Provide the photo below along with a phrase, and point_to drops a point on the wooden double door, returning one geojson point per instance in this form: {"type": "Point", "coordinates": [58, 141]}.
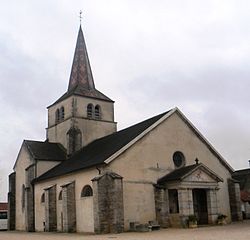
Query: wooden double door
{"type": "Point", "coordinates": [200, 205]}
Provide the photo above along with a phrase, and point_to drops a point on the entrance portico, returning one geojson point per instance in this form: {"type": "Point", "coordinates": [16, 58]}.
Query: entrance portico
{"type": "Point", "coordinates": [190, 190]}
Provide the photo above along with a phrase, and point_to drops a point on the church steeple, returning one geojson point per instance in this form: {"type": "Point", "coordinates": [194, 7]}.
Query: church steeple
{"type": "Point", "coordinates": [82, 114]}
{"type": "Point", "coordinates": [81, 74]}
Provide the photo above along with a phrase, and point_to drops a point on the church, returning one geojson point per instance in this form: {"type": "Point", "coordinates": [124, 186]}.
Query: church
{"type": "Point", "coordinates": [88, 177]}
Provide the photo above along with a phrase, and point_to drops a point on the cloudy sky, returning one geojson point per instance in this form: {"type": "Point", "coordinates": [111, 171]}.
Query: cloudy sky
{"type": "Point", "coordinates": [147, 55]}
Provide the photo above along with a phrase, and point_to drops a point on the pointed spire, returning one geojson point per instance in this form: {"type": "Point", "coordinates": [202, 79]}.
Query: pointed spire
{"type": "Point", "coordinates": [81, 74]}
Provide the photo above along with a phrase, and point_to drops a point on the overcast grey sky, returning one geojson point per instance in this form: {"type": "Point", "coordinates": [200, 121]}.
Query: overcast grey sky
{"type": "Point", "coordinates": [147, 55]}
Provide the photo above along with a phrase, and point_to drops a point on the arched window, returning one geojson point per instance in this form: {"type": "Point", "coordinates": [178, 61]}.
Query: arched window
{"type": "Point", "coordinates": [60, 195]}
{"type": "Point", "coordinates": [57, 116]}
{"type": "Point", "coordinates": [61, 113]}
{"type": "Point", "coordinates": [97, 112]}
{"type": "Point", "coordinates": [87, 191]}
{"type": "Point", "coordinates": [43, 198]}
{"type": "Point", "coordinates": [90, 110]}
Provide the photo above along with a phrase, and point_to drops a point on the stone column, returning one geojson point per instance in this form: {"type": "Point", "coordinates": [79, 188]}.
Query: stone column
{"type": "Point", "coordinates": [50, 209]}
{"type": "Point", "coordinates": [212, 206]}
{"type": "Point", "coordinates": [161, 205]}
{"type": "Point", "coordinates": [69, 207]}
{"type": "Point", "coordinates": [186, 208]}
{"type": "Point", "coordinates": [12, 202]}
{"type": "Point", "coordinates": [234, 198]}
{"type": "Point", "coordinates": [29, 199]}
{"type": "Point", "coordinates": [108, 203]}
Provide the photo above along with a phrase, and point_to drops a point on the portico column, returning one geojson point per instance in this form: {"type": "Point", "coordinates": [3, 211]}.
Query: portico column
{"type": "Point", "coordinates": [212, 206]}
{"type": "Point", "coordinates": [185, 200]}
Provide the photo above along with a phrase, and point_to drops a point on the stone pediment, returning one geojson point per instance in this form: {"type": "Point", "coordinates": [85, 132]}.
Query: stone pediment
{"type": "Point", "coordinates": [199, 175]}
{"type": "Point", "coordinates": [192, 173]}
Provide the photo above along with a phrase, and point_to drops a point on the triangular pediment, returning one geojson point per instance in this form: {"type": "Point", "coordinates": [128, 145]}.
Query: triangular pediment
{"type": "Point", "coordinates": [199, 175]}
{"type": "Point", "coordinates": [191, 173]}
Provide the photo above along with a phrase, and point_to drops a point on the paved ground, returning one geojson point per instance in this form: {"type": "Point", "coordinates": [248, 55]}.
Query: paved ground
{"type": "Point", "coordinates": [235, 231]}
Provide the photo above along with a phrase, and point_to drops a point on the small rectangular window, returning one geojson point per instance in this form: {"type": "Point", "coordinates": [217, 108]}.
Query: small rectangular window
{"type": "Point", "coordinates": [3, 215]}
{"type": "Point", "coordinates": [173, 201]}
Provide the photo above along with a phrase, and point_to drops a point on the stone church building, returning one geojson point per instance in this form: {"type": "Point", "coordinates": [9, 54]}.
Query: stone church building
{"type": "Point", "coordinates": [88, 177]}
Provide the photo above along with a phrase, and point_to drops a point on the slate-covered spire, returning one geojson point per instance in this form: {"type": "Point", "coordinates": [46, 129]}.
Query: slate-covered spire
{"type": "Point", "coordinates": [81, 74]}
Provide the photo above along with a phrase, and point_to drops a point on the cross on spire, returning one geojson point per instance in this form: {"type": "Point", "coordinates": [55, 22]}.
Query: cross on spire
{"type": "Point", "coordinates": [80, 16]}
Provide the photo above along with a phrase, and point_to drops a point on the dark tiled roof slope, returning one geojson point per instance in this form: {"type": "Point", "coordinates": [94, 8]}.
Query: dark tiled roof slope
{"type": "Point", "coordinates": [46, 150]}
{"type": "Point", "coordinates": [177, 174]}
{"type": "Point", "coordinates": [243, 176]}
{"type": "Point", "coordinates": [80, 91]}
{"type": "Point", "coordinates": [241, 172]}
{"type": "Point", "coordinates": [99, 150]}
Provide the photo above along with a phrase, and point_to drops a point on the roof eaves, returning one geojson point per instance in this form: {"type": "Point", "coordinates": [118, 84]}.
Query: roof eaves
{"type": "Point", "coordinates": [41, 178]}
{"type": "Point", "coordinates": [133, 141]}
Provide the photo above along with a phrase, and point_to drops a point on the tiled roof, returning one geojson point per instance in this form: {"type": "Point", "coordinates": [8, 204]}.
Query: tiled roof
{"type": "Point", "coordinates": [99, 150]}
{"type": "Point", "coordinates": [242, 172]}
{"type": "Point", "coordinates": [245, 196]}
{"type": "Point", "coordinates": [46, 150]}
{"type": "Point", "coordinates": [81, 81]}
{"type": "Point", "coordinates": [3, 206]}
{"type": "Point", "coordinates": [177, 174]}
{"type": "Point", "coordinates": [81, 73]}
{"type": "Point", "coordinates": [80, 91]}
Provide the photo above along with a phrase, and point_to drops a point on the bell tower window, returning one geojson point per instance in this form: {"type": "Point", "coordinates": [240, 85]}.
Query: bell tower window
{"type": "Point", "coordinates": [62, 113]}
{"type": "Point", "coordinates": [97, 112]}
{"type": "Point", "coordinates": [90, 110]}
{"type": "Point", "coordinates": [57, 116]}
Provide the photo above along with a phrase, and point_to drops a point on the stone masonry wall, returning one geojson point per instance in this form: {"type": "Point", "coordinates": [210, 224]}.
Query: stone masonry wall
{"type": "Point", "coordinates": [162, 206]}
{"type": "Point", "coordinates": [69, 208]}
{"type": "Point", "coordinates": [30, 214]}
{"type": "Point", "coordinates": [185, 199]}
{"type": "Point", "coordinates": [234, 198]}
{"type": "Point", "coordinates": [50, 209]}
{"type": "Point", "coordinates": [108, 203]}
{"type": "Point", "coordinates": [12, 202]}
{"type": "Point", "coordinates": [212, 206]}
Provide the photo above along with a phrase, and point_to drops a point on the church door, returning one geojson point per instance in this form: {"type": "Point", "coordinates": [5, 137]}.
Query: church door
{"type": "Point", "coordinates": [200, 205]}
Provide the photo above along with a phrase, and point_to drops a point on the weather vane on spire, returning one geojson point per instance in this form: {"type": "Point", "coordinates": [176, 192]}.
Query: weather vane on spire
{"type": "Point", "coordinates": [80, 16]}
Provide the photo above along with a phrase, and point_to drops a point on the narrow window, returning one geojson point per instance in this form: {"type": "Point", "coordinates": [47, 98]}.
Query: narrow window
{"type": "Point", "coordinates": [90, 111]}
{"type": "Point", "coordinates": [43, 198]}
{"type": "Point", "coordinates": [97, 112]}
{"type": "Point", "coordinates": [23, 196]}
{"type": "Point", "coordinates": [74, 138]}
{"type": "Point", "coordinates": [173, 201]}
{"type": "Point", "coordinates": [57, 116]}
{"type": "Point", "coordinates": [87, 191]}
{"type": "Point", "coordinates": [60, 195]}
{"type": "Point", "coordinates": [62, 113]}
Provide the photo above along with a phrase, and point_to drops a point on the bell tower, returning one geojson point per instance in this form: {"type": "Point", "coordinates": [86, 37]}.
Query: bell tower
{"type": "Point", "coordinates": [82, 114]}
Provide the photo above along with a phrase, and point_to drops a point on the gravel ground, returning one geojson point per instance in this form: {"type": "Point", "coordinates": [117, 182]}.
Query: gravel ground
{"type": "Point", "coordinates": [234, 231]}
